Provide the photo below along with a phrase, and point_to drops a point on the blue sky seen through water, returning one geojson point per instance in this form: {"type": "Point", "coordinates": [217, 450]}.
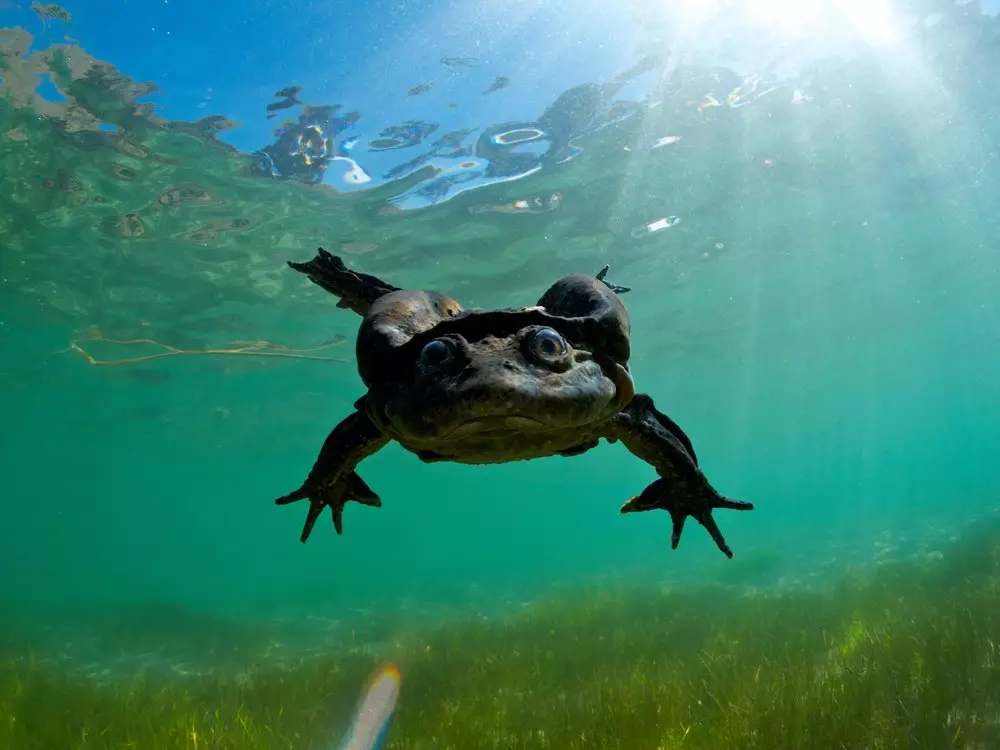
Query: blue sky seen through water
{"type": "Point", "coordinates": [230, 58]}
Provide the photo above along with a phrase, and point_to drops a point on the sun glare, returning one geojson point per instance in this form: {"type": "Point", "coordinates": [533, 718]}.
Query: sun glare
{"type": "Point", "coordinates": [871, 20]}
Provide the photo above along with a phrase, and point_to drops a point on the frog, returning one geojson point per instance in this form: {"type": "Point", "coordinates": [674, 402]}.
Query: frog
{"type": "Point", "coordinates": [492, 386]}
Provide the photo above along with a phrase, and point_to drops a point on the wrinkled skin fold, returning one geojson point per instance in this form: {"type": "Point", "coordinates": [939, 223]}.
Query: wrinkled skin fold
{"type": "Point", "coordinates": [492, 386]}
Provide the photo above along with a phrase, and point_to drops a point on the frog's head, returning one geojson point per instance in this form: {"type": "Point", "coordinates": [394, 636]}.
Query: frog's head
{"type": "Point", "coordinates": [504, 384]}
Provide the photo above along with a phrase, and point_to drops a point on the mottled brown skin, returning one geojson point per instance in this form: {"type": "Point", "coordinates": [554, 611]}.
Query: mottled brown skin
{"type": "Point", "coordinates": [491, 386]}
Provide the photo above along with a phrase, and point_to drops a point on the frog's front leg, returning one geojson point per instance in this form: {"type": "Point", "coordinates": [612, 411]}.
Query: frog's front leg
{"type": "Point", "coordinates": [333, 481]}
{"type": "Point", "coordinates": [682, 490]}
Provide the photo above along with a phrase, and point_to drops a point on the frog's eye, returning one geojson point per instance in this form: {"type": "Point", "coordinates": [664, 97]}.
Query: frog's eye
{"type": "Point", "coordinates": [435, 353]}
{"type": "Point", "coordinates": [546, 343]}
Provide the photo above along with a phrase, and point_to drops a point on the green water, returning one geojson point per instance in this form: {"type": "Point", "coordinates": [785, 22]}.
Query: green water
{"type": "Point", "coordinates": [823, 323]}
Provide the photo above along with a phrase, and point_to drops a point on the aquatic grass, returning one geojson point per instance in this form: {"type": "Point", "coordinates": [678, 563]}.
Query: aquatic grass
{"type": "Point", "coordinates": [905, 658]}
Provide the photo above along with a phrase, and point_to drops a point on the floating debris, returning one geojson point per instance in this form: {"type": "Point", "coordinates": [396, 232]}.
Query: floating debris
{"type": "Point", "coordinates": [655, 226]}
{"type": "Point", "coordinates": [161, 350]}
{"type": "Point", "coordinates": [130, 149]}
{"type": "Point", "coordinates": [203, 236]}
{"type": "Point", "coordinates": [310, 143]}
{"type": "Point", "coordinates": [185, 194]}
{"type": "Point", "coordinates": [51, 11]}
{"type": "Point", "coordinates": [534, 205]}
{"type": "Point", "coordinates": [500, 82]}
{"type": "Point", "coordinates": [709, 102]}
{"type": "Point", "coordinates": [288, 97]}
{"type": "Point", "coordinates": [740, 96]}
{"type": "Point", "coordinates": [460, 62]}
{"type": "Point", "coordinates": [347, 144]}
{"type": "Point", "coordinates": [420, 88]}
{"type": "Point", "coordinates": [406, 134]}
{"type": "Point", "coordinates": [355, 174]}
{"type": "Point", "coordinates": [129, 226]}
{"type": "Point", "coordinates": [666, 140]}
{"type": "Point", "coordinates": [122, 172]}
{"type": "Point", "coordinates": [211, 231]}
{"type": "Point", "coordinates": [517, 135]}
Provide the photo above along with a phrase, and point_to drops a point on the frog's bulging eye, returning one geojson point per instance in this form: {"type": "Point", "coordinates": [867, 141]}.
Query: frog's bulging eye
{"type": "Point", "coordinates": [546, 343]}
{"type": "Point", "coordinates": [435, 353]}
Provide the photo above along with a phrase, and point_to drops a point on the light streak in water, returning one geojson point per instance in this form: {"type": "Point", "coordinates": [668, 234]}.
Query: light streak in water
{"type": "Point", "coordinates": [375, 709]}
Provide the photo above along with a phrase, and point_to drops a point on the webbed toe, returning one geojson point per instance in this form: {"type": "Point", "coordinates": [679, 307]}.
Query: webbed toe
{"type": "Point", "coordinates": [335, 494]}
{"type": "Point", "coordinates": [680, 504]}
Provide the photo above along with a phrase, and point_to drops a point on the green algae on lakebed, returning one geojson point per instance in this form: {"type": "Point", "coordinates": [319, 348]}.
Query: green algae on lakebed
{"type": "Point", "coordinates": [907, 657]}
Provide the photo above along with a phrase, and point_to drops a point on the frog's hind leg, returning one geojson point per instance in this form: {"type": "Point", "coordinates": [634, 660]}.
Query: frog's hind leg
{"type": "Point", "coordinates": [356, 291]}
{"type": "Point", "coordinates": [613, 287]}
{"type": "Point", "coordinates": [682, 490]}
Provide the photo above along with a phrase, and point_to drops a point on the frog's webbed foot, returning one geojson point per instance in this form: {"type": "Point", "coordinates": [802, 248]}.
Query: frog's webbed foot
{"type": "Point", "coordinates": [333, 482]}
{"type": "Point", "coordinates": [613, 287]}
{"type": "Point", "coordinates": [334, 494]}
{"type": "Point", "coordinates": [666, 494]}
{"type": "Point", "coordinates": [682, 490]}
{"type": "Point", "coordinates": [356, 291]}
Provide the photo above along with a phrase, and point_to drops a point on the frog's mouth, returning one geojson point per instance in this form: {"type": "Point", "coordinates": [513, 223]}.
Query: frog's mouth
{"type": "Point", "coordinates": [496, 425]}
